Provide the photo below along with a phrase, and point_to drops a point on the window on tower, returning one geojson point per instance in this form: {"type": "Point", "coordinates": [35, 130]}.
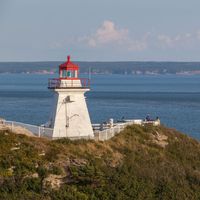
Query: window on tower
{"type": "Point", "coordinates": [69, 74]}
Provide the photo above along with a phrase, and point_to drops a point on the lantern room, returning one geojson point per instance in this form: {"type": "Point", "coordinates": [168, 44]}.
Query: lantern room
{"type": "Point", "coordinates": [68, 77]}
{"type": "Point", "coordinates": [68, 70]}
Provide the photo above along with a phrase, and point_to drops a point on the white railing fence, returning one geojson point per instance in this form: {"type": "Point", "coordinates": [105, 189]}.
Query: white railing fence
{"type": "Point", "coordinates": [99, 135]}
{"type": "Point", "coordinates": [109, 133]}
{"type": "Point", "coordinates": [38, 131]}
{"type": "Point", "coordinates": [41, 131]}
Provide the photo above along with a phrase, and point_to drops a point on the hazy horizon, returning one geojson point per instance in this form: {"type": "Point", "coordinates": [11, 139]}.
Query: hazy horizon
{"type": "Point", "coordinates": [104, 30]}
{"type": "Point", "coordinates": [104, 61]}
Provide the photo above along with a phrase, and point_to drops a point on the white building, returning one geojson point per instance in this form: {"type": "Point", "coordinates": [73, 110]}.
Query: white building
{"type": "Point", "coordinates": [70, 117]}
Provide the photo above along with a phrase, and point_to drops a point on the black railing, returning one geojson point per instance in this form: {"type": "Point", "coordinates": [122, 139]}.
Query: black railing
{"type": "Point", "coordinates": [70, 83]}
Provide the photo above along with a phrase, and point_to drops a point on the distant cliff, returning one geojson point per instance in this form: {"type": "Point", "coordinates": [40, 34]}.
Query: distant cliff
{"type": "Point", "coordinates": [106, 67]}
{"type": "Point", "coordinates": [139, 163]}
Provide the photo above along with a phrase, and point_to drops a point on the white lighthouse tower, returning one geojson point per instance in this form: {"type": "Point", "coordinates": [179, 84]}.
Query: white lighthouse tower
{"type": "Point", "coordinates": [70, 117]}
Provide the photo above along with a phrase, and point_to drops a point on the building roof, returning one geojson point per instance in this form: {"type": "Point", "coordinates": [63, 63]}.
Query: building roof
{"type": "Point", "coordinates": [68, 65]}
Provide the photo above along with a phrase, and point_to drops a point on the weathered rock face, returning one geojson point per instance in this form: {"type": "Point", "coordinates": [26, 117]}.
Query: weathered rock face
{"type": "Point", "coordinates": [160, 139]}
{"type": "Point", "coordinates": [53, 181]}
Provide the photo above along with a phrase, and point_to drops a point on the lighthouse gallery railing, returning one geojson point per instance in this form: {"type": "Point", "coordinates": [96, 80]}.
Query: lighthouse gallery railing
{"type": "Point", "coordinates": [58, 83]}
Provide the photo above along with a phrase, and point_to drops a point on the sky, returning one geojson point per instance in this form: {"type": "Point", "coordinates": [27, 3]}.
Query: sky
{"type": "Point", "coordinates": [100, 30]}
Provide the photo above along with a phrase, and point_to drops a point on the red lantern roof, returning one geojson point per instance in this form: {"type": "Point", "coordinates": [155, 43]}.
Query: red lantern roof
{"type": "Point", "coordinates": [69, 65]}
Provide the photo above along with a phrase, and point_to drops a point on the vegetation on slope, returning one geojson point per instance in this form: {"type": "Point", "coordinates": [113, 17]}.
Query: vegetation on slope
{"type": "Point", "coordinates": [139, 163]}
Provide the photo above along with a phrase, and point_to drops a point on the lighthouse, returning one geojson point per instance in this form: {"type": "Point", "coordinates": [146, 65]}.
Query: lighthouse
{"type": "Point", "coordinates": [70, 117]}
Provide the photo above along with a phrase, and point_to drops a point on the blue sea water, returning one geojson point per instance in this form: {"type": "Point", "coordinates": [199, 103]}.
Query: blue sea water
{"type": "Point", "coordinates": [174, 99]}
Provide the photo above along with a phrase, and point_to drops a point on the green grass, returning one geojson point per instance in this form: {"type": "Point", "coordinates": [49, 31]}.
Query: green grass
{"type": "Point", "coordinates": [132, 165]}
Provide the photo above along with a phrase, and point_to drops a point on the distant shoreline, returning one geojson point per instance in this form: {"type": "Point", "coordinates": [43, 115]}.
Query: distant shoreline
{"type": "Point", "coordinates": [186, 73]}
{"type": "Point", "coordinates": [134, 68]}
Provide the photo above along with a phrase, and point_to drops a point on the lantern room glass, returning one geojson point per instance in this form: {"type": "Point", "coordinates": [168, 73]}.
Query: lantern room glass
{"type": "Point", "coordinates": [69, 74]}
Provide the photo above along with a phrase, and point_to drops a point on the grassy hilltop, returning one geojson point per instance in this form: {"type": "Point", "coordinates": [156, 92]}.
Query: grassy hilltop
{"type": "Point", "coordinates": [139, 163]}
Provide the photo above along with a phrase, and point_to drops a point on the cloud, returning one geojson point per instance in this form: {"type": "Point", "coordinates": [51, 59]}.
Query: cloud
{"type": "Point", "coordinates": [168, 41]}
{"type": "Point", "coordinates": [165, 40]}
{"type": "Point", "coordinates": [109, 36]}
{"type": "Point", "coordinates": [107, 33]}
{"type": "Point", "coordinates": [139, 44]}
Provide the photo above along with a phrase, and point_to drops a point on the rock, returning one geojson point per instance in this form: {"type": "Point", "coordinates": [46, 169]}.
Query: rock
{"type": "Point", "coordinates": [53, 181]}
{"type": "Point", "coordinates": [11, 170]}
{"type": "Point", "coordinates": [42, 153]}
{"type": "Point", "coordinates": [78, 162]}
{"type": "Point", "coordinates": [160, 139]}
{"type": "Point", "coordinates": [34, 175]}
{"type": "Point", "coordinates": [15, 148]}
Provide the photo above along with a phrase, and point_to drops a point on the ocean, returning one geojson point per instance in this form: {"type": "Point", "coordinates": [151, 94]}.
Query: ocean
{"type": "Point", "coordinates": [175, 99]}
